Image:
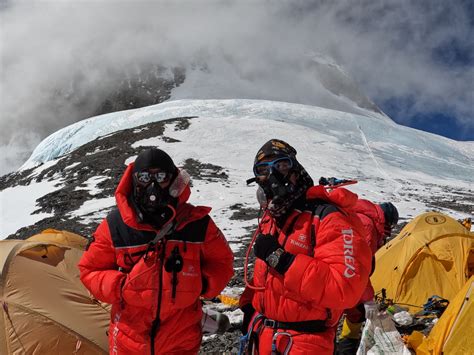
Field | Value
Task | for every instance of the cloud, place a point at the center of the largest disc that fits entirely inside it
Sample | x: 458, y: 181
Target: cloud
x: 408, y: 53
x: 55, y: 54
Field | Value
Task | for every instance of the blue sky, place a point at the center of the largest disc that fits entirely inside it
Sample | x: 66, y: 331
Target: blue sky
x: 420, y: 68
x: 453, y: 54
x: 441, y: 123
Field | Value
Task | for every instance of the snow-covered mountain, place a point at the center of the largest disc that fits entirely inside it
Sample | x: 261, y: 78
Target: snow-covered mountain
x: 69, y: 180
x: 310, y: 79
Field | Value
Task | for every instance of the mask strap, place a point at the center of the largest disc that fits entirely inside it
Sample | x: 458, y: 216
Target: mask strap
x: 179, y: 183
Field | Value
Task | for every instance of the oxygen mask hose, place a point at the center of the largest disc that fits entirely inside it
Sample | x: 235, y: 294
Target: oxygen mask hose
x: 247, y: 254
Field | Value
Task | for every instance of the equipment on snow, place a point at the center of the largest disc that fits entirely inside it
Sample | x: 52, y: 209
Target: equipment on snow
x: 466, y: 222
x: 332, y: 182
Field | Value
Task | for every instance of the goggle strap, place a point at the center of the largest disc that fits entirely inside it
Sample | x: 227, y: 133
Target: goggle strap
x: 179, y: 183
x: 251, y: 180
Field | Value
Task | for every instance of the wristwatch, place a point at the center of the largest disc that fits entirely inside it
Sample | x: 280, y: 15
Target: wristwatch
x: 274, y: 257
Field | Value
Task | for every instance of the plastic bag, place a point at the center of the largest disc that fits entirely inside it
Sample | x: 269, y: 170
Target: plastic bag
x: 380, y: 336
x: 214, y: 322
x: 371, y: 310
x: 403, y: 318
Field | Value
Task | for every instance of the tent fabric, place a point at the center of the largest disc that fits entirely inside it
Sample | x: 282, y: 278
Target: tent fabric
x: 452, y: 334
x: 61, y: 237
x: 45, y: 307
x: 432, y: 255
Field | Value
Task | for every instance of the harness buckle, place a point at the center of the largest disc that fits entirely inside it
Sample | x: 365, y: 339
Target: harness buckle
x: 270, y: 323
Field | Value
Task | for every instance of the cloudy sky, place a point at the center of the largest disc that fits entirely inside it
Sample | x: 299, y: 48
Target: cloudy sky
x: 414, y: 59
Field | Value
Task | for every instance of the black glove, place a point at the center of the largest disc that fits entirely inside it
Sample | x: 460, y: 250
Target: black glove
x: 248, y: 311
x: 265, y: 244
x: 286, y: 259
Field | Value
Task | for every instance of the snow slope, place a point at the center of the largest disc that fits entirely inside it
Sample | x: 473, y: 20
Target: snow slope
x: 393, y: 150
x: 391, y: 162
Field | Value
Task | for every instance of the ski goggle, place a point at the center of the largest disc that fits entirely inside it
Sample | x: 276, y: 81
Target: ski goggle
x: 144, y: 177
x: 282, y: 165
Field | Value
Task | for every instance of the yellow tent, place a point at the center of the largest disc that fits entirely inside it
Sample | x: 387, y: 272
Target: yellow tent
x: 432, y: 255
x: 453, y: 334
x: 45, y: 308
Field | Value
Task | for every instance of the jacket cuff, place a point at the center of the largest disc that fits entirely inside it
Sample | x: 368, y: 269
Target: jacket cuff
x: 286, y: 259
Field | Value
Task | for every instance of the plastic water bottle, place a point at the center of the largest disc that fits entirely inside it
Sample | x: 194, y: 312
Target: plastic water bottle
x: 395, y: 308
x: 403, y: 318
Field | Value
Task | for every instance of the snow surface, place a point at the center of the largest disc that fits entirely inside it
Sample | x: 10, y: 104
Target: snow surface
x: 91, y: 184
x: 18, y: 203
x: 392, y: 162
x: 94, y: 210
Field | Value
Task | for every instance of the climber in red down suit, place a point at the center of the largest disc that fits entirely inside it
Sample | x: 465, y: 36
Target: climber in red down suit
x: 153, y: 257
x: 378, y: 221
x: 312, y: 261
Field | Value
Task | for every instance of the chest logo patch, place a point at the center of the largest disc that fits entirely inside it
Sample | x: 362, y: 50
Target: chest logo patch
x: 300, y: 242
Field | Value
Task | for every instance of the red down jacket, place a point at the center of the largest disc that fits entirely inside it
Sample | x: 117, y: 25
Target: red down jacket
x: 116, y: 271
x: 373, y: 219
x: 321, y: 282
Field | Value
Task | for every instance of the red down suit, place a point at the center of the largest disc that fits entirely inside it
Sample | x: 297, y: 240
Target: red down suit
x: 373, y: 220
x: 327, y: 275
x: 119, y: 268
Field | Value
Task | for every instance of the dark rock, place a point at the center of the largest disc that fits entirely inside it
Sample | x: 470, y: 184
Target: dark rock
x: 104, y: 156
x: 205, y: 171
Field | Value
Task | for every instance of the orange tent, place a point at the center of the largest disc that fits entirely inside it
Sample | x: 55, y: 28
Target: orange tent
x: 45, y: 307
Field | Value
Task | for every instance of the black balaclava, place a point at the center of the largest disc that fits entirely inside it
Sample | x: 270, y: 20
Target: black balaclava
x: 153, y: 204
x: 390, y: 213
x: 280, y: 193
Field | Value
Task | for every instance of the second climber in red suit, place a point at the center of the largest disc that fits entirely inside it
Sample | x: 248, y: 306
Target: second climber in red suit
x: 378, y: 221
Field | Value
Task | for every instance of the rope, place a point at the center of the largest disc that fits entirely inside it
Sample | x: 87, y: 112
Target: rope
x: 5, y: 309
x: 247, y: 254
